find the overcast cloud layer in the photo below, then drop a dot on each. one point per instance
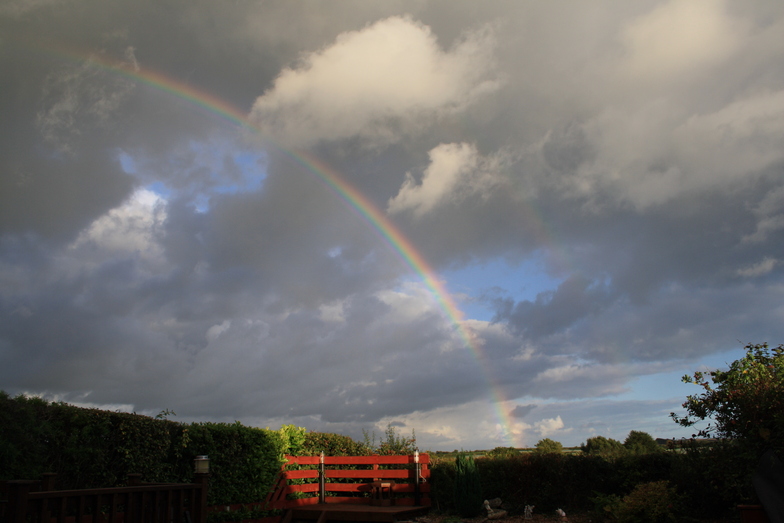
(599, 184)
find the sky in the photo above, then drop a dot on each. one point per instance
(486, 223)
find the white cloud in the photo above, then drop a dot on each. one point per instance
(548, 427)
(678, 37)
(456, 171)
(369, 82)
(758, 269)
(132, 228)
(738, 139)
(218, 329)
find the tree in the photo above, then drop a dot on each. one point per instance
(744, 403)
(601, 446)
(548, 446)
(392, 443)
(638, 442)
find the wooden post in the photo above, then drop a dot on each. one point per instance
(201, 507)
(47, 481)
(18, 495)
(134, 479)
(47, 485)
(417, 473)
(322, 480)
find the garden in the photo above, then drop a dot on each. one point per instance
(701, 479)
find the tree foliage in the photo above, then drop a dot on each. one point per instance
(392, 443)
(743, 403)
(548, 446)
(601, 446)
(502, 453)
(638, 442)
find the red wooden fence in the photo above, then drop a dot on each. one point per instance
(328, 479)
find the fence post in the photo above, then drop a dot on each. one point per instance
(202, 480)
(18, 493)
(134, 479)
(417, 474)
(47, 481)
(322, 480)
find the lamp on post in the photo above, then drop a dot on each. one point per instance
(201, 471)
(322, 479)
(417, 474)
(201, 465)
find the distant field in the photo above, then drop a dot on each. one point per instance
(483, 453)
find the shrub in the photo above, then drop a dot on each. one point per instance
(548, 446)
(332, 445)
(467, 487)
(654, 502)
(502, 453)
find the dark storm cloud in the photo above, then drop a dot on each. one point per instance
(154, 254)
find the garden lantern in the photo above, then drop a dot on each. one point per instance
(201, 465)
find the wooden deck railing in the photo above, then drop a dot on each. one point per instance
(328, 479)
(36, 502)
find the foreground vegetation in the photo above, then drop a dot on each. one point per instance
(633, 480)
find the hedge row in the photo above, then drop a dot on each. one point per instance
(90, 448)
(708, 482)
(94, 448)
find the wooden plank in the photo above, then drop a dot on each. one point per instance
(304, 460)
(368, 460)
(368, 474)
(300, 474)
(347, 487)
(308, 487)
(357, 460)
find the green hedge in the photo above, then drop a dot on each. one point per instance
(94, 448)
(332, 445)
(708, 481)
(90, 448)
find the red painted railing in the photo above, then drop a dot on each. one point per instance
(307, 480)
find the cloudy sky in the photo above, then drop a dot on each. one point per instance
(228, 210)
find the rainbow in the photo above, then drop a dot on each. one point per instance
(401, 245)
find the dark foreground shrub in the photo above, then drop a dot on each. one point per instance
(468, 488)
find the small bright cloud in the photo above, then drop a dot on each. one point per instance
(370, 81)
(758, 269)
(456, 171)
(548, 427)
(679, 36)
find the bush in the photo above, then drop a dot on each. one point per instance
(332, 445)
(548, 446)
(654, 502)
(467, 487)
(502, 453)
